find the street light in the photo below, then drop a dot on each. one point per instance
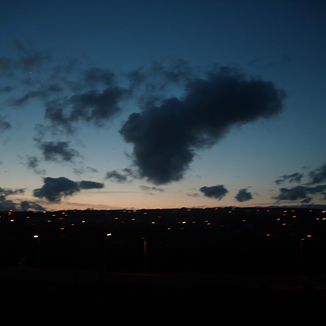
(38, 252)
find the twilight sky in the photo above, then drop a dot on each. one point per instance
(148, 104)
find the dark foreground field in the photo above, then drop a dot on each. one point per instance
(276, 295)
(232, 262)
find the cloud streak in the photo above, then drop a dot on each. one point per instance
(295, 177)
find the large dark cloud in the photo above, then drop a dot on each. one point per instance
(302, 193)
(217, 192)
(243, 195)
(166, 136)
(54, 189)
(295, 177)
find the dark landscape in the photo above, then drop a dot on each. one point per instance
(169, 257)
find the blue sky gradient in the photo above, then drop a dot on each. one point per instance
(76, 75)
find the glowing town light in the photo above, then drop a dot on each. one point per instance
(108, 234)
(35, 236)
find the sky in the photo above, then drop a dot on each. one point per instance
(162, 104)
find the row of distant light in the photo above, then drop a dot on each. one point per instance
(35, 236)
(183, 222)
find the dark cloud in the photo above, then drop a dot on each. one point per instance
(116, 176)
(94, 106)
(318, 175)
(90, 185)
(82, 170)
(55, 112)
(295, 177)
(167, 136)
(28, 205)
(6, 204)
(91, 104)
(9, 191)
(243, 195)
(56, 188)
(302, 193)
(69, 92)
(59, 151)
(217, 192)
